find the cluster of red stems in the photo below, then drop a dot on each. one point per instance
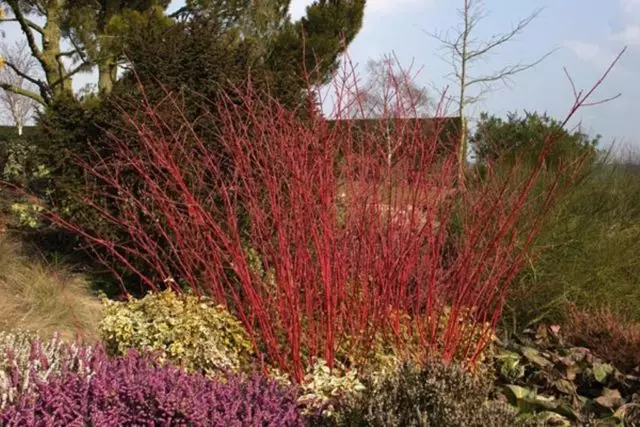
(353, 228)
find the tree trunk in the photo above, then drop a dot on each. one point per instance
(54, 69)
(105, 78)
(107, 68)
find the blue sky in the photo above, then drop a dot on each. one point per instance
(586, 33)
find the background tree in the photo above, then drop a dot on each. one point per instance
(45, 44)
(18, 63)
(522, 138)
(463, 50)
(389, 91)
(199, 58)
(92, 29)
(96, 31)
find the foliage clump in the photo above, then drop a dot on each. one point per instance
(548, 379)
(521, 138)
(137, 390)
(324, 390)
(26, 361)
(190, 331)
(432, 395)
(47, 298)
(587, 252)
(610, 337)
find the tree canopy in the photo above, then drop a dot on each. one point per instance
(97, 33)
(522, 137)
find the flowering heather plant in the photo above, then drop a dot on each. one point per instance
(136, 390)
(26, 361)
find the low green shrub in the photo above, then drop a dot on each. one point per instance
(190, 331)
(432, 395)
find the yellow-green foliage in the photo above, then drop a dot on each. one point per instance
(323, 388)
(190, 331)
(383, 354)
(44, 298)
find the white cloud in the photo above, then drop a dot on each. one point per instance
(594, 54)
(630, 16)
(601, 54)
(588, 52)
(630, 6)
(630, 35)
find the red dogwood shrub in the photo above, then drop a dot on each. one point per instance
(310, 235)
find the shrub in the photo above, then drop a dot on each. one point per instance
(190, 331)
(205, 54)
(135, 390)
(547, 379)
(587, 248)
(432, 395)
(386, 351)
(324, 389)
(612, 338)
(44, 298)
(522, 138)
(17, 154)
(332, 277)
(26, 361)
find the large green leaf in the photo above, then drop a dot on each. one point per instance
(601, 371)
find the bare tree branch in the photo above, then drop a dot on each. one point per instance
(29, 23)
(17, 69)
(507, 72)
(464, 50)
(26, 93)
(18, 97)
(26, 29)
(83, 66)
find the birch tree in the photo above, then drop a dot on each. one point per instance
(389, 92)
(19, 63)
(462, 51)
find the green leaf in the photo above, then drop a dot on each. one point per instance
(565, 386)
(601, 371)
(515, 393)
(534, 357)
(611, 421)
